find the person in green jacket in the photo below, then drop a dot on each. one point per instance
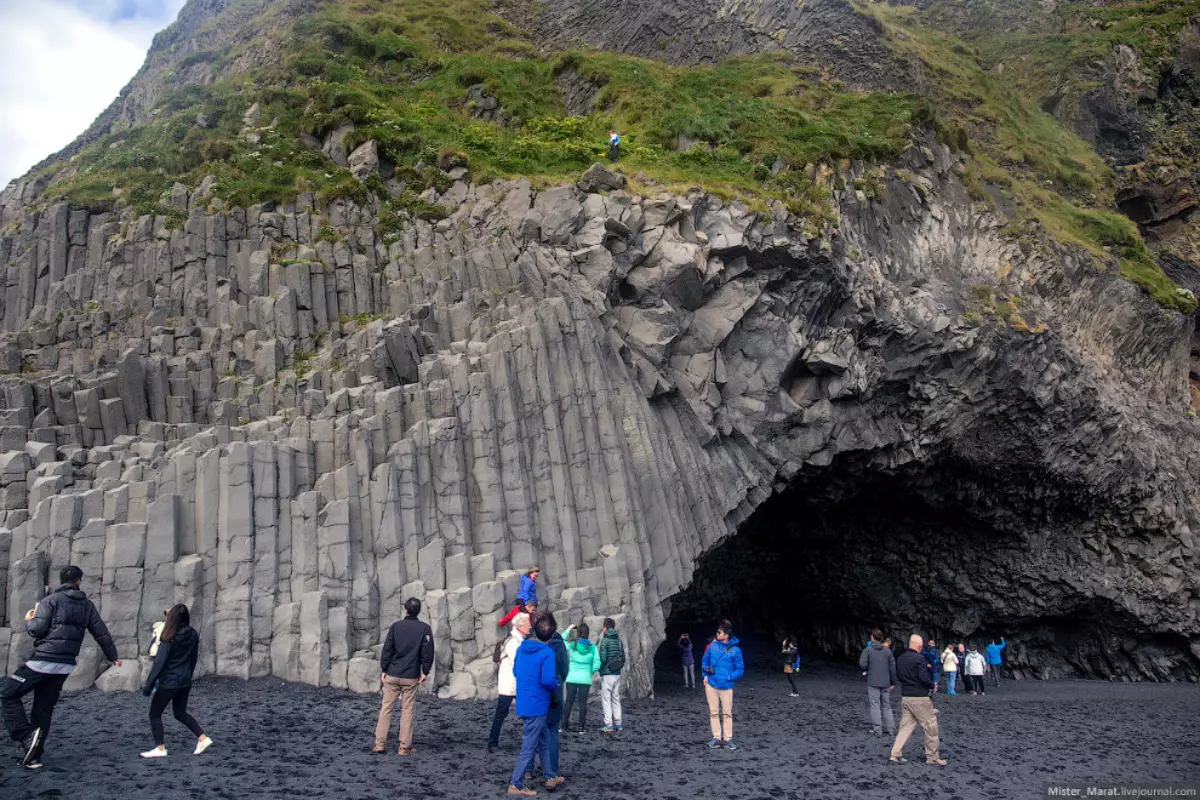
(585, 662)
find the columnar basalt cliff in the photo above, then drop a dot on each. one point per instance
(292, 416)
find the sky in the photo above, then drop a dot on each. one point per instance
(62, 62)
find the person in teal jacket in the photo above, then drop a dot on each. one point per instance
(722, 667)
(585, 662)
(994, 660)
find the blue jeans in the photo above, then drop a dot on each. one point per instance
(536, 740)
(553, 720)
(950, 677)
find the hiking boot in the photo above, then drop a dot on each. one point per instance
(936, 762)
(729, 745)
(714, 743)
(898, 759)
(554, 783)
(405, 751)
(378, 751)
(521, 792)
(33, 749)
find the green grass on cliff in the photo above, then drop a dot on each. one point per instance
(402, 73)
(1049, 172)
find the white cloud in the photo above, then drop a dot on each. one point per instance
(62, 62)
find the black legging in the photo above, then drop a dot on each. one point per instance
(792, 680)
(178, 698)
(577, 693)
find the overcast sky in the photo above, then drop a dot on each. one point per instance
(61, 63)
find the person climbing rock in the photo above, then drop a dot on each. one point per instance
(57, 624)
(612, 662)
(170, 680)
(585, 662)
(791, 664)
(536, 681)
(688, 659)
(950, 667)
(916, 706)
(506, 682)
(527, 598)
(614, 146)
(406, 659)
(974, 668)
(880, 666)
(722, 667)
(994, 659)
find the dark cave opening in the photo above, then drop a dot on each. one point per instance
(939, 550)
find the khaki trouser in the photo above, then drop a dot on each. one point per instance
(720, 710)
(916, 711)
(404, 690)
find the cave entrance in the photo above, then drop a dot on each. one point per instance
(939, 548)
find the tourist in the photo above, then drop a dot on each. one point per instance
(689, 661)
(406, 660)
(916, 706)
(57, 624)
(506, 682)
(880, 666)
(612, 661)
(614, 146)
(975, 667)
(722, 667)
(994, 659)
(562, 668)
(527, 599)
(536, 682)
(934, 662)
(529, 609)
(170, 679)
(791, 664)
(585, 662)
(950, 667)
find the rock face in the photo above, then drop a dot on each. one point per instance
(294, 432)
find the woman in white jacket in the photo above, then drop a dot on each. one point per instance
(975, 669)
(950, 667)
(506, 682)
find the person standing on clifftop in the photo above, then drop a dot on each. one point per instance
(994, 659)
(612, 661)
(57, 624)
(916, 706)
(506, 682)
(406, 660)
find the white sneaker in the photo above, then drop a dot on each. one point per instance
(155, 753)
(202, 745)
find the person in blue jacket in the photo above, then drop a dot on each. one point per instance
(537, 681)
(722, 667)
(528, 592)
(994, 660)
(934, 662)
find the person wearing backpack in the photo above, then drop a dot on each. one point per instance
(791, 663)
(506, 683)
(612, 661)
(722, 667)
(170, 680)
(585, 662)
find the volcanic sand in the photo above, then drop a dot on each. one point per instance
(274, 740)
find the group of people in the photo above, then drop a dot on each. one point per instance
(57, 624)
(965, 659)
(917, 674)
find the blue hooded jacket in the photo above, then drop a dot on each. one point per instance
(993, 652)
(536, 679)
(528, 592)
(725, 661)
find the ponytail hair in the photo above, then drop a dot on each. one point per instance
(178, 617)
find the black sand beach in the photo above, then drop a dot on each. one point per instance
(275, 740)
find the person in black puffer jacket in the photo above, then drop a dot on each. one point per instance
(170, 679)
(57, 625)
